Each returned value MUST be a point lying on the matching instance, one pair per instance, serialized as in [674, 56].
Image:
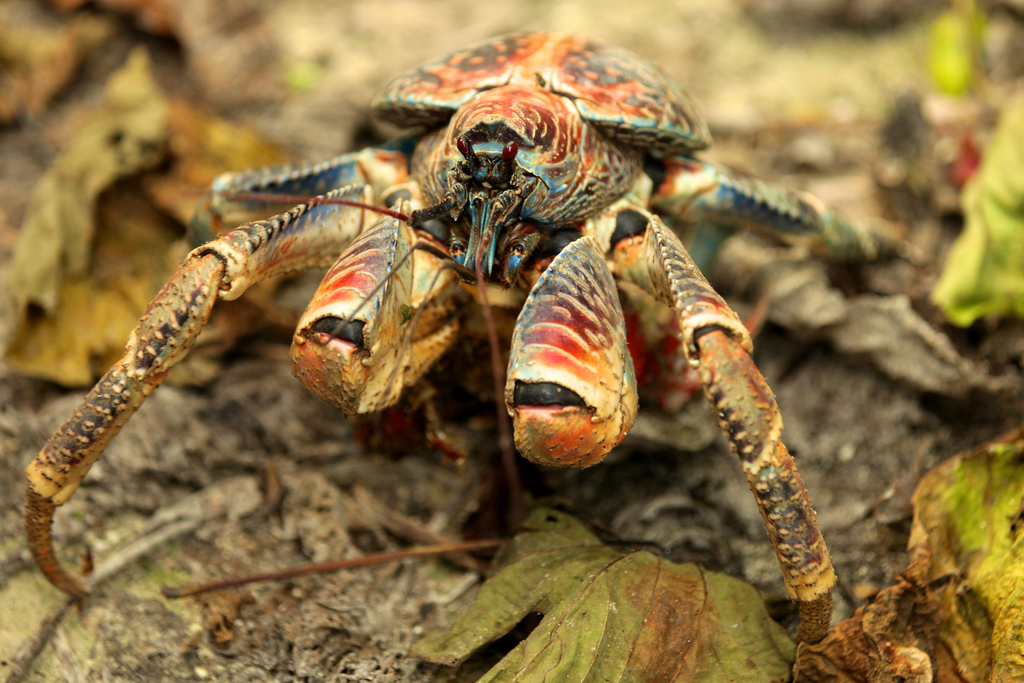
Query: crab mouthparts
[488, 214]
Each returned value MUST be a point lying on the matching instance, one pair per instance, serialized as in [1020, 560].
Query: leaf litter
[175, 212]
[103, 232]
[610, 616]
[956, 613]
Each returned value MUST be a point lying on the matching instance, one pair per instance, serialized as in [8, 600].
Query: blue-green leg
[719, 200]
[237, 198]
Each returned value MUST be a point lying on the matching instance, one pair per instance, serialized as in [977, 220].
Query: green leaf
[984, 273]
[611, 616]
[968, 513]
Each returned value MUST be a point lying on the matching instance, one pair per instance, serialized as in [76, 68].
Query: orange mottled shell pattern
[627, 97]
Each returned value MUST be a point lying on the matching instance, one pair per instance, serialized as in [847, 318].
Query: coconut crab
[548, 164]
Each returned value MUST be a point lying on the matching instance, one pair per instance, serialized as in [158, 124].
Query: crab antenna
[271, 198]
[373, 292]
[448, 264]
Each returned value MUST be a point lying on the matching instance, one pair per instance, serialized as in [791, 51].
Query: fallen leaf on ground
[56, 247]
[40, 62]
[892, 639]
[969, 515]
[98, 241]
[201, 147]
[133, 255]
[610, 616]
[956, 614]
[984, 272]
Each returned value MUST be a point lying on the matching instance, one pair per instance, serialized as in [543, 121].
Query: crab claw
[571, 390]
[346, 345]
[374, 326]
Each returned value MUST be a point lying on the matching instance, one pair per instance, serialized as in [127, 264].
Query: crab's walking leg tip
[38, 523]
[815, 617]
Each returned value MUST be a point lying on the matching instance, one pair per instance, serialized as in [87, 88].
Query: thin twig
[70, 667]
[138, 548]
[326, 567]
[408, 528]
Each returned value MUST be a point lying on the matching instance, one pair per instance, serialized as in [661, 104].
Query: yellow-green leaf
[953, 41]
[968, 513]
[613, 617]
[984, 273]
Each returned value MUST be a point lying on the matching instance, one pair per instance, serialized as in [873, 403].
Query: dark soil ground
[801, 102]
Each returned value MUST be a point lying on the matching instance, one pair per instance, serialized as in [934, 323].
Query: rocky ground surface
[871, 400]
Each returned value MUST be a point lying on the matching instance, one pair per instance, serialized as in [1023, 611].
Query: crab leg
[236, 198]
[718, 345]
[713, 196]
[302, 238]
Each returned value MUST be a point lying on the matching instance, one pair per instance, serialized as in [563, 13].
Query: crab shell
[629, 99]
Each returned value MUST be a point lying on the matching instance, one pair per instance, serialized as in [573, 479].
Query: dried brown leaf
[201, 147]
[40, 62]
[57, 244]
[955, 615]
[891, 639]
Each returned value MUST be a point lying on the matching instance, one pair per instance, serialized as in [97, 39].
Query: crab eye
[510, 151]
[463, 147]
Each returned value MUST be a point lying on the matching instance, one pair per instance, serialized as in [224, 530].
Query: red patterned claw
[347, 340]
[351, 347]
[571, 390]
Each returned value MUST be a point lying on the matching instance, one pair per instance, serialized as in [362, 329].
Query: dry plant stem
[140, 547]
[325, 567]
[68, 663]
